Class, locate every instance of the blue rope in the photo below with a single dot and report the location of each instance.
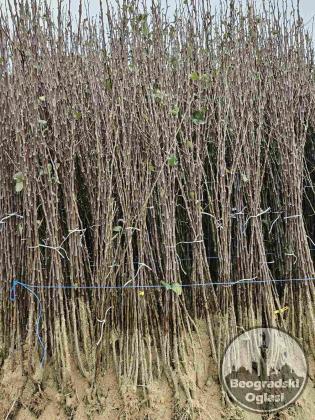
(39, 316)
(30, 287)
(148, 286)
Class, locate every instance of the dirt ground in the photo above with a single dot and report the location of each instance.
(28, 398)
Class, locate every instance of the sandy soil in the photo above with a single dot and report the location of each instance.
(24, 398)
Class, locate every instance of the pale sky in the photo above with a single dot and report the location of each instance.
(307, 7)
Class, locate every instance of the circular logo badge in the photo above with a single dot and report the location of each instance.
(264, 370)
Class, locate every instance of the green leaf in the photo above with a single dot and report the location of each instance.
(19, 186)
(142, 17)
(49, 169)
(194, 76)
(42, 98)
(177, 288)
(198, 117)
(244, 178)
(108, 84)
(151, 167)
(158, 95)
(117, 229)
(167, 285)
(145, 29)
(172, 161)
(77, 115)
(175, 111)
(42, 123)
(189, 144)
(19, 177)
